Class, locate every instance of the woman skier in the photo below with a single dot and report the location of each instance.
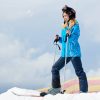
(70, 51)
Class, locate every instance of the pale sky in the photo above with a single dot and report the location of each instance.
(27, 30)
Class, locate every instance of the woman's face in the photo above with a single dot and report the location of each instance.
(66, 17)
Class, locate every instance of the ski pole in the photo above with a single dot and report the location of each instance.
(64, 77)
(57, 45)
(65, 60)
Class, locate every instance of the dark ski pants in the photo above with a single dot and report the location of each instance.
(77, 64)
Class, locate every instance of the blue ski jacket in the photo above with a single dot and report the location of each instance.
(71, 47)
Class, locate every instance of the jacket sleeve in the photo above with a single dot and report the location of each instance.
(75, 33)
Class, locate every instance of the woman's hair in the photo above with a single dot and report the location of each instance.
(70, 11)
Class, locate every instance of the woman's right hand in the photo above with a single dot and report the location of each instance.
(56, 38)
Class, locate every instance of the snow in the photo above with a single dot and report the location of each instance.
(77, 96)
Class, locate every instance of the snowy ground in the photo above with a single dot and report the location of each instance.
(10, 96)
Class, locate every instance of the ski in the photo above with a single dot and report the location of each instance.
(32, 95)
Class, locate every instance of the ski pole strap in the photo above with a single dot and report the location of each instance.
(57, 45)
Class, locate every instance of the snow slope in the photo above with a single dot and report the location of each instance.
(82, 96)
